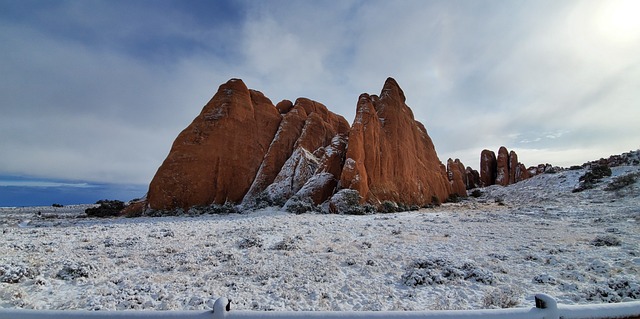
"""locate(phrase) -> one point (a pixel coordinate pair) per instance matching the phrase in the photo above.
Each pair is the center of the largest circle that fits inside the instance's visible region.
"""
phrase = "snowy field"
(496, 250)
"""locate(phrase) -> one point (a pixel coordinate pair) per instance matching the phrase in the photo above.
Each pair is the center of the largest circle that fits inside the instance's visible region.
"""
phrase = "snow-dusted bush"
(625, 287)
(287, 243)
(544, 279)
(299, 206)
(347, 201)
(616, 290)
(249, 242)
(74, 270)
(503, 297)
(621, 182)
(437, 271)
(226, 209)
(606, 240)
(454, 198)
(15, 273)
(388, 207)
(592, 177)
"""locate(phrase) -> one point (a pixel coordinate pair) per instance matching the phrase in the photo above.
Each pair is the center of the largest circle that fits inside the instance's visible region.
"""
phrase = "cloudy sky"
(95, 91)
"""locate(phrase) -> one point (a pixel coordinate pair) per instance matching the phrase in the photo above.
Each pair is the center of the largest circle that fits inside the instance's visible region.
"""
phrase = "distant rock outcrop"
(487, 168)
(503, 169)
(243, 149)
(390, 156)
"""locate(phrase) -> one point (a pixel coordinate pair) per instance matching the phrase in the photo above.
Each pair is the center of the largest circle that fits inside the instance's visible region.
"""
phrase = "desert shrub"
(621, 182)
(249, 242)
(226, 209)
(435, 200)
(347, 201)
(592, 177)
(544, 279)
(575, 167)
(15, 273)
(74, 270)
(57, 205)
(454, 198)
(107, 208)
(438, 271)
(606, 240)
(388, 207)
(299, 206)
(287, 243)
(476, 193)
(505, 297)
(264, 200)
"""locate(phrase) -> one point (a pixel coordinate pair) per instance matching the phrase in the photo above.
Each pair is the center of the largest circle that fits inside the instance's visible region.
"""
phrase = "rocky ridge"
(242, 149)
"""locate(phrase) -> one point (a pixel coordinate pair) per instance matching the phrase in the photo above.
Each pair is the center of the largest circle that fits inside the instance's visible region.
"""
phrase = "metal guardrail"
(546, 308)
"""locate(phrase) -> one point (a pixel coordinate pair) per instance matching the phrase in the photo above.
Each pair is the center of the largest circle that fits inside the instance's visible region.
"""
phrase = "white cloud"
(546, 77)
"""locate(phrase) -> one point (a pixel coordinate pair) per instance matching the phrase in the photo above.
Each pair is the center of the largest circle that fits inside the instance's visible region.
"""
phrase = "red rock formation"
(297, 150)
(506, 167)
(473, 178)
(457, 176)
(284, 106)
(390, 156)
(215, 159)
(487, 168)
(243, 148)
(513, 164)
(521, 173)
(502, 167)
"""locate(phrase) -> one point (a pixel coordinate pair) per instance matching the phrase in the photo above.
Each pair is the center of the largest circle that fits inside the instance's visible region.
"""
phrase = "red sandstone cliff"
(243, 149)
(390, 157)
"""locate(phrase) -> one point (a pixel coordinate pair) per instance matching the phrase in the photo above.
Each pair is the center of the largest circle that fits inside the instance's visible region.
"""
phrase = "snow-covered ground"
(496, 250)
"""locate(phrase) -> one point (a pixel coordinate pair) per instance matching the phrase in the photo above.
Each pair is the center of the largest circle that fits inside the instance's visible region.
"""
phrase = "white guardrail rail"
(546, 308)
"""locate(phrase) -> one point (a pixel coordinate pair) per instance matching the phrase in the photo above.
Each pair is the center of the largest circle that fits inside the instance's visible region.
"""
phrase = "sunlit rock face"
(242, 149)
(216, 158)
(390, 156)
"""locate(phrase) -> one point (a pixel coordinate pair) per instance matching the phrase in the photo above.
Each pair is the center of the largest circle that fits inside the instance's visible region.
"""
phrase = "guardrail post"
(549, 305)
(221, 307)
